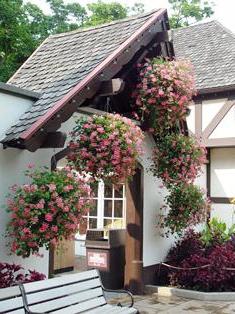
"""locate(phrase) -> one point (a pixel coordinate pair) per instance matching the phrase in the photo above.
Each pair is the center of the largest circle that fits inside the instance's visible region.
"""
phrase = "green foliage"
(23, 26)
(187, 207)
(216, 231)
(186, 12)
(16, 42)
(105, 12)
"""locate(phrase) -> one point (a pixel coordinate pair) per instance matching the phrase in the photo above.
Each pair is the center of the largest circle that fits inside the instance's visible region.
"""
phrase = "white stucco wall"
(222, 182)
(155, 247)
(11, 108)
(13, 163)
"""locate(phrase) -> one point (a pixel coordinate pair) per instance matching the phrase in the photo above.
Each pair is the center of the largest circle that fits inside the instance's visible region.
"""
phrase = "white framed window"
(109, 211)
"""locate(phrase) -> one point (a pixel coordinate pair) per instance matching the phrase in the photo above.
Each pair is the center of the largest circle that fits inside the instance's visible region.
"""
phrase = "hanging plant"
(106, 146)
(46, 210)
(185, 206)
(164, 92)
(178, 158)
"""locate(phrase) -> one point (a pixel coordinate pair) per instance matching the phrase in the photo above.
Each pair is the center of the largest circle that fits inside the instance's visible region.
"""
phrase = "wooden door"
(64, 256)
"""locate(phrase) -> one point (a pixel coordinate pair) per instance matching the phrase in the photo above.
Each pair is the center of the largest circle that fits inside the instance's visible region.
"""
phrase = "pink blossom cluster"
(46, 210)
(106, 146)
(178, 159)
(164, 91)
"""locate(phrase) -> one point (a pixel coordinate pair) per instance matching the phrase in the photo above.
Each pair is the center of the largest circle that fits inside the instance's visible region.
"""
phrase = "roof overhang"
(11, 89)
(34, 137)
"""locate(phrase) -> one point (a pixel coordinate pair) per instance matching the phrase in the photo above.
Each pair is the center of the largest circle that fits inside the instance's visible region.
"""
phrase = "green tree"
(185, 12)
(102, 12)
(137, 8)
(23, 26)
(16, 42)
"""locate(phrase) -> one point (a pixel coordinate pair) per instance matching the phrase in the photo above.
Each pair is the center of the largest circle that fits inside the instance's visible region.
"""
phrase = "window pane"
(92, 223)
(118, 224)
(108, 223)
(108, 208)
(108, 191)
(93, 210)
(118, 208)
(118, 191)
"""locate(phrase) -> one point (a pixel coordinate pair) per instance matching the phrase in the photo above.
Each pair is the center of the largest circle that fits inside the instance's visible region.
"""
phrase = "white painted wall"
(13, 162)
(155, 247)
(11, 108)
(226, 128)
(191, 119)
(223, 182)
(209, 109)
(223, 172)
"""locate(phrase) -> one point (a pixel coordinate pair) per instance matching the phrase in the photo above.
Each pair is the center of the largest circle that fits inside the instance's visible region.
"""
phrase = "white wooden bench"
(11, 301)
(70, 294)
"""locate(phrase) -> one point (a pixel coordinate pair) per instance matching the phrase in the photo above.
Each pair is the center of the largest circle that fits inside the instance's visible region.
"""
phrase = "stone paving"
(152, 304)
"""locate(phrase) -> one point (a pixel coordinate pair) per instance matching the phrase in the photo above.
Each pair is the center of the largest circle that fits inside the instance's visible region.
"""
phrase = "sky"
(224, 9)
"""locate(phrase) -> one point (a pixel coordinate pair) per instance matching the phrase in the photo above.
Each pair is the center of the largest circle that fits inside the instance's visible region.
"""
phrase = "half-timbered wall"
(212, 120)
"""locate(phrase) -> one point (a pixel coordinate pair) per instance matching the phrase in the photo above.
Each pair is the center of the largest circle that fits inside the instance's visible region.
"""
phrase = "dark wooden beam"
(221, 200)
(111, 87)
(162, 36)
(54, 140)
(198, 120)
(134, 234)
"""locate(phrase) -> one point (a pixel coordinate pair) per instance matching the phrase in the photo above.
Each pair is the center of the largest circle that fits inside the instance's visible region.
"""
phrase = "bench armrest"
(25, 302)
(121, 291)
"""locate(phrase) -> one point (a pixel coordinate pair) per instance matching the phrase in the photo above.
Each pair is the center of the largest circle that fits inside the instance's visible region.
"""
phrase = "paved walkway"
(175, 305)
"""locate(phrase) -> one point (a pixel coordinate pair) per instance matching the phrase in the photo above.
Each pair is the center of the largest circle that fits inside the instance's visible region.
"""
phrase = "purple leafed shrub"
(13, 274)
(185, 247)
(216, 263)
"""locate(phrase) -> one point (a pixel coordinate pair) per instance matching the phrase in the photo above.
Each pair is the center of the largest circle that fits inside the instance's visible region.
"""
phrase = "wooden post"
(134, 234)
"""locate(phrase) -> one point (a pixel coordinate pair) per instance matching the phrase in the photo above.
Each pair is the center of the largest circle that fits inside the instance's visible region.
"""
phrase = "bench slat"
(6, 293)
(62, 291)
(82, 307)
(10, 299)
(60, 281)
(67, 301)
(21, 311)
(11, 304)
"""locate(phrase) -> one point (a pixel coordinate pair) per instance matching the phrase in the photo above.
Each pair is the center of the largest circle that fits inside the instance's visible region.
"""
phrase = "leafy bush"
(185, 247)
(13, 274)
(215, 277)
(204, 265)
(217, 232)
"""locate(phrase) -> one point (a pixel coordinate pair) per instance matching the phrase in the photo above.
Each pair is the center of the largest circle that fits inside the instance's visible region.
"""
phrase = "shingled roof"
(64, 60)
(211, 48)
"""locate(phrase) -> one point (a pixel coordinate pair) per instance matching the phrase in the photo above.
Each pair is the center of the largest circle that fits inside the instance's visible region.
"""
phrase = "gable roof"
(65, 63)
(211, 48)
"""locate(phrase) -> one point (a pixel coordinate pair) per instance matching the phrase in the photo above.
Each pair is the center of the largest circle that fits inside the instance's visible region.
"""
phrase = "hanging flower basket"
(164, 91)
(185, 207)
(177, 158)
(47, 210)
(106, 147)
